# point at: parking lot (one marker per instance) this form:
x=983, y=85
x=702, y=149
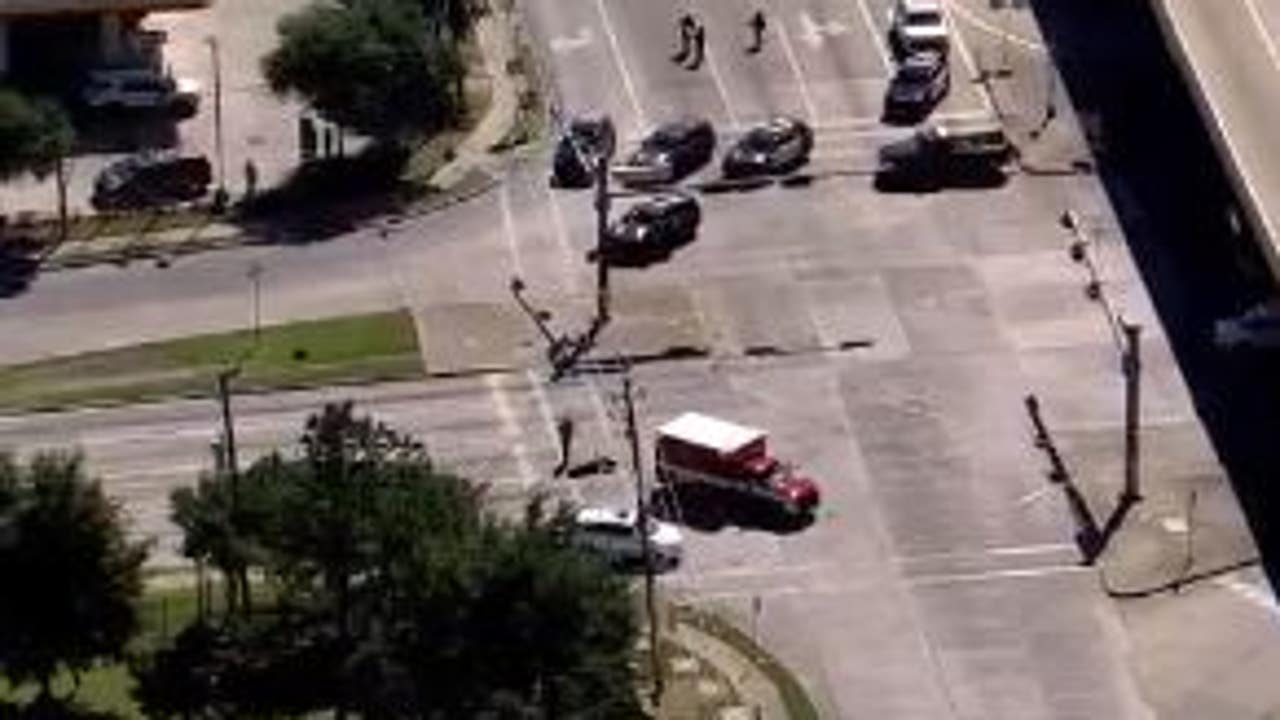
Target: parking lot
x=257, y=126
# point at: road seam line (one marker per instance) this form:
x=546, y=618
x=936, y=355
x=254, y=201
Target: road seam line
x=509, y=226
x=963, y=49
x=794, y=61
x=722, y=89
x=627, y=82
x=881, y=50
x=970, y=17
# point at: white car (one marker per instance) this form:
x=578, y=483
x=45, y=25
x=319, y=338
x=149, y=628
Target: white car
x=1258, y=327
x=918, y=26
x=615, y=536
x=140, y=89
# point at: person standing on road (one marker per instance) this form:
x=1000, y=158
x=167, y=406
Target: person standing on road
x=699, y=46
x=757, y=24
x=686, y=25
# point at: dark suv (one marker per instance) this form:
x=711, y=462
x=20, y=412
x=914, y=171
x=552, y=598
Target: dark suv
x=151, y=180
x=580, y=142
x=670, y=152
x=651, y=230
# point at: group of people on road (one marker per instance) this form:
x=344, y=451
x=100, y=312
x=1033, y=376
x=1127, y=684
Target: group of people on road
x=693, y=39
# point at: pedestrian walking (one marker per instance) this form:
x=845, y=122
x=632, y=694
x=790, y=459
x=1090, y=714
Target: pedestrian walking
x=686, y=25
x=758, y=25
x=564, y=431
x=250, y=179
x=699, y=46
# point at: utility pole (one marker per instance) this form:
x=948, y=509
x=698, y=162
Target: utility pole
x=642, y=512
x=603, y=154
x=229, y=435
x=220, y=195
x=1131, y=365
x=255, y=277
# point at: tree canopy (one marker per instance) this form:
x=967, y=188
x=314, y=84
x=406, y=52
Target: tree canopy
x=396, y=595
x=34, y=135
x=374, y=66
x=72, y=576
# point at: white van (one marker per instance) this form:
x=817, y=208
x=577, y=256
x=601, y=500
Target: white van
x=140, y=89
x=917, y=26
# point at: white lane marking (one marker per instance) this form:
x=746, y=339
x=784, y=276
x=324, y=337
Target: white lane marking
x=562, y=44
x=814, y=32
x=970, y=17
x=721, y=88
x=1034, y=495
x=1261, y=25
x=963, y=50
x=1030, y=549
x=544, y=406
x=509, y=226
x=886, y=60
x=561, y=231
x=510, y=427
x=1250, y=592
x=803, y=84
x=997, y=575
x=627, y=82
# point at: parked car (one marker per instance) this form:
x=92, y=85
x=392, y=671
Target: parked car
x=582, y=140
x=670, y=152
x=777, y=146
x=918, y=25
x=151, y=180
x=651, y=230
x=1256, y=328
x=617, y=536
x=920, y=83
x=946, y=154
x=140, y=89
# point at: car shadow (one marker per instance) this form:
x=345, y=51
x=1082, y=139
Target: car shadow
x=713, y=516
x=101, y=132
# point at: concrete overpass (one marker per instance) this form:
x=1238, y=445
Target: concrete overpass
x=1228, y=51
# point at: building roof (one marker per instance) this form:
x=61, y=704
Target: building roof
x=13, y=8
x=706, y=431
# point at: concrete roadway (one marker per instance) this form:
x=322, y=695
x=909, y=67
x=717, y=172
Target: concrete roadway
x=939, y=580
x=1228, y=50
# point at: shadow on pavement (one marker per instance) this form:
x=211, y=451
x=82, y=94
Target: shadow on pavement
x=330, y=196
x=1167, y=185
x=19, y=263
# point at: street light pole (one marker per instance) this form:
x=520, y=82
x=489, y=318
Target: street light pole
x=646, y=550
x=255, y=277
x=1132, y=366
x=220, y=196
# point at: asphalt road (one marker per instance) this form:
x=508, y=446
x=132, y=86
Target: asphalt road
x=1230, y=51
x=940, y=579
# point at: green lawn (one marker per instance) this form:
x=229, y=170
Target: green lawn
x=356, y=348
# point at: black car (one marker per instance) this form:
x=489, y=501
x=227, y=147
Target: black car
x=940, y=155
x=582, y=141
x=920, y=83
x=651, y=230
x=670, y=152
x=151, y=180
x=775, y=147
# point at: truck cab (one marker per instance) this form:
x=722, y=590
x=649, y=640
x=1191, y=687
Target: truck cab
x=729, y=467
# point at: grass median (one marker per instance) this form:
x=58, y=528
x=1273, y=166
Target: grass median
x=356, y=348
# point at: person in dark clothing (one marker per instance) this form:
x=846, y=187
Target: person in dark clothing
x=699, y=46
x=757, y=24
x=687, y=25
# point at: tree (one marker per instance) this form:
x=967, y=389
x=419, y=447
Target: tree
x=369, y=65
x=72, y=576
x=35, y=135
x=400, y=597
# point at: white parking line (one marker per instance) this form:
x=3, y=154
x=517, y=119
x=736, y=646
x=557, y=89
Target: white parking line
x=544, y=406
x=627, y=82
x=722, y=89
x=561, y=231
x=509, y=226
x=886, y=60
x=963, y=50
x=1004, y=35
x=792, y=60
x=1256, y=17
x=998, y=575
x=510, y=427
